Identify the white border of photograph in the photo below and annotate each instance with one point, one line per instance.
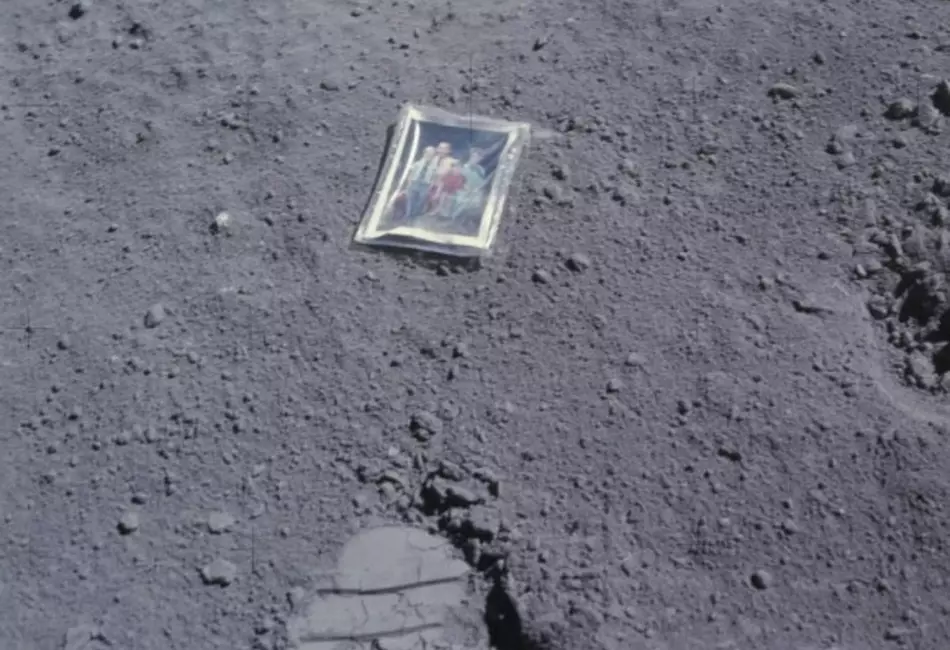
(518, 135)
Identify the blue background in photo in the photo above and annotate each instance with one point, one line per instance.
(490, 143)
(461, 140)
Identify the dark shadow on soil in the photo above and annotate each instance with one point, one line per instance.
(941, 360)
(439, 263)
(505, 627)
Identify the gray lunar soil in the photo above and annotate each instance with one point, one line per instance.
(697, 397)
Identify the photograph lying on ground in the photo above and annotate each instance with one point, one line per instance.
(444, 182)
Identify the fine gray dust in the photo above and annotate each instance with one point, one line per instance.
(695, 398)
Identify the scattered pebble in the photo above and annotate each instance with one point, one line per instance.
(561, 172)
(900, 109)
(220, 573)
(425, 425)
(897, 633)
(128, 523)
(634, 359)
(220, 522)
(222, 222)
(761, 579)
(846, 160)
(578, 262)
(540, 276)
(540, 42)
(154, 316)
(783, 90)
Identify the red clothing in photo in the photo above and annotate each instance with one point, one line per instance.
(450, 183)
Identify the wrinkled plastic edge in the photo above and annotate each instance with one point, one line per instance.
(427, 242)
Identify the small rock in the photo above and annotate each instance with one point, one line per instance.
(440, 495)
(461, 497)
(578, 262)
(232, 121)
(540, 42)
(481, 523)
(897, 633)
(929, 119)
(451, 471)
(424, 425)
(553, 192)
(846, 160)
(783, 90)
(635, 360)
(129, 523)
(222, 222)
(628, 168)
(63, 342)
(789, 527)
(761, 579)
(540, 276)
(920, 368)
(154, 316)
(900, 109)
(220, 522)
(220, 572)
(835, 147)
(614, 385)
(818, 58)
(329, 85)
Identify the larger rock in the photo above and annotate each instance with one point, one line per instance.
(154, 316)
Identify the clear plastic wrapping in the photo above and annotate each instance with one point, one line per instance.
(444, 182)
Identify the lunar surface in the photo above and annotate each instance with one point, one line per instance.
(696, 397)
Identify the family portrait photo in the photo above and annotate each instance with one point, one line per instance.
(445, 186)
(442, 181)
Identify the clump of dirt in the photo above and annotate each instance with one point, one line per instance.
(908, 277)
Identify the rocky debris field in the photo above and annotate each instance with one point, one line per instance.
(696, 397)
